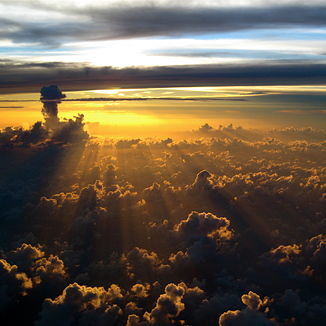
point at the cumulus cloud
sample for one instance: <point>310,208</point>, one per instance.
<point>248,316</point>
<point>244,317</point>
<point>51,93</point>
<point>13,284</point>
<point>206,224</point>
<point>66,131</point>
<point>140,290</point>
<point>149,232</point>
<point>25,256</point>
<point>83,300</point>
<point>168,306</point>
<point>50,97</point>
<point>252,300</point>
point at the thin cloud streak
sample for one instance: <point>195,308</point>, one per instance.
<point>130,99</point>
<point>156,98</point>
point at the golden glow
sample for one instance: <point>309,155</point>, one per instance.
<point>20,114</point>
<point>168,110</point>
<point>209,92</point>
<point>116,117</point>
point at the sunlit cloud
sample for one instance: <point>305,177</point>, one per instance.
<point>182,173</point>
<point>151,52</point>
<point>98,45</point>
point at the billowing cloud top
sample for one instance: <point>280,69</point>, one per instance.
<point>51,93</point>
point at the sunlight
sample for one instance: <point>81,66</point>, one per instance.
<point>163,162</point>
<point>117,117</point>
<point>203,91</point>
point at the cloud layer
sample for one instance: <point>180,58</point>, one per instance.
<point>98,22</point>
<point>213,43</point>
<point>27,77</point>
<point>149,232</point>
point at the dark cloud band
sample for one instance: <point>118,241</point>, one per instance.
<point>118,22</point>
<point>30,77</point>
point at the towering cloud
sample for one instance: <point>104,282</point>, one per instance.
<point>62,131</point>
<point>50,97</point>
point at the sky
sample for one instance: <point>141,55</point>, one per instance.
<point>270,54</point>
<point>163,33</point>
<point>162,163</point>
<point>198,43</point>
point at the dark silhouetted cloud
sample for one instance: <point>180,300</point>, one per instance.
<point>78,78</point>
<point>163,231</point>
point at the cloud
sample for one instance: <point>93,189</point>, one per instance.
<point>260,73</point>
<point>50,97</point>
<point>202,224</point>
<point>25,256</point>
<point>250,315</point>
<point>51,93</point>
<point>252,300</point>
<point>140,290</point>
<point>35,134</point>
<point>244,317</point>
<point>146,265</point>
<point>66,131</point>
<point>168,306</point>
<point>76,299</point>
<point>94,22</point>
<point>13,284</point>
<point>149,231</point>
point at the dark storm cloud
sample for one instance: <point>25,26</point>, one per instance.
<point>16,77</point>
<point>126,21</point>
